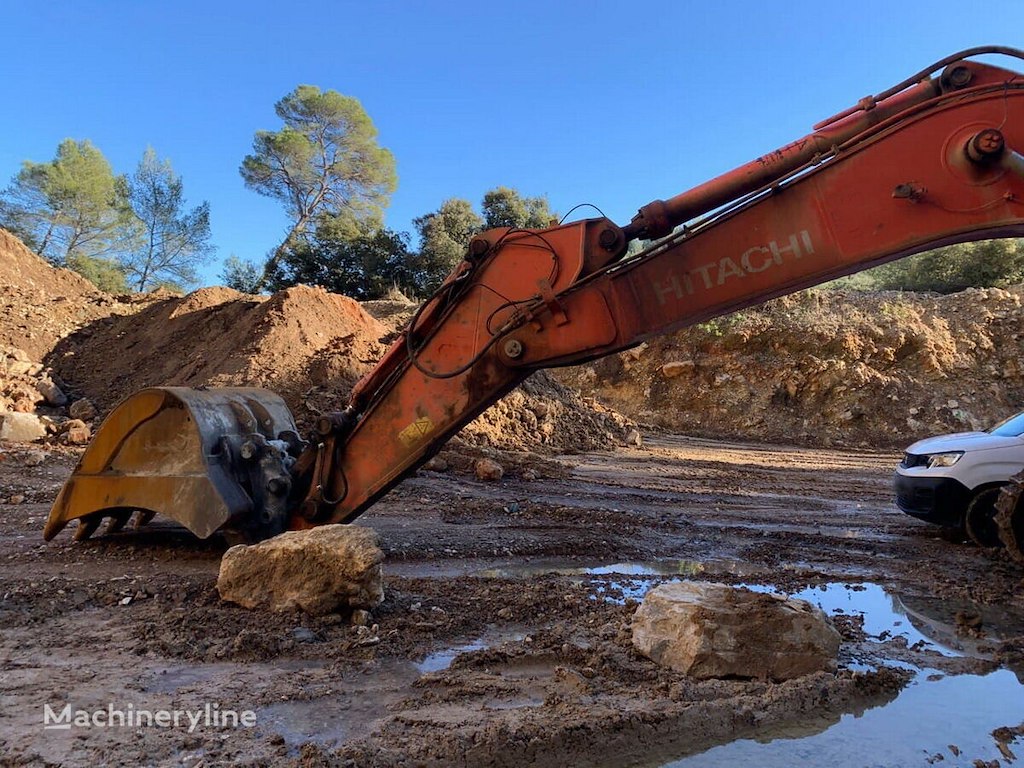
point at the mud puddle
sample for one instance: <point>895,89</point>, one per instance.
<point>927,724</point>
<point>438,661</point>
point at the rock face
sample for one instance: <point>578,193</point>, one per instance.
<point>827,367</point>
<point>330,569</point>
<point>715,631</point>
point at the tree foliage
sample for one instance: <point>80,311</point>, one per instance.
<point>70,208</point>
<point>119,232</point>
<point>169,242</point>
<point>982,264</point>
<point>365,260</point>
<point>324,163</point>
<point>364,265</point>
<point>106,274</point>
<point>444,235</point>
<point>505,207</point>
<point>241,274</point>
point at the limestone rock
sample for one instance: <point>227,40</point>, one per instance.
<point>488,470</point>
<point>74,432</point>
<point>19,367</point>
<point>20,427</point>
<point>715,631</point>
<point>330,569</point>
<point>677,368</point>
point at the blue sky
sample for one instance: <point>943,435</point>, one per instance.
<point>611,103</point>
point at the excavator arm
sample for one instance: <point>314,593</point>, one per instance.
<point>934,160</point>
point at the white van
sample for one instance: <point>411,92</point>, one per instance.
<point>954,480</point>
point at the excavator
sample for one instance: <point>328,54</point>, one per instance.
<point>932,161</point>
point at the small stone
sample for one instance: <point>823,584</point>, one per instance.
<point>125,601</point>
<point>34,458</point>
<point>20,427</point>
<point>71,424</point>
<point>636,352</point>
<point>436,464</point>
<point>361,617</point>
<point>19,368</point>
<point>676,368</point>
<point>75,432</point>
<point>488,470</point>
<point>303,635</point>
<point>53,394</point>
<point>528,475</point>
<point>16,499</point>
<point>634,438</point>
<point>83,410</point>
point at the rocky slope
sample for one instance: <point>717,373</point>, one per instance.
<point>828,367</point>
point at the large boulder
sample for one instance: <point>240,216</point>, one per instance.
<point>330,569</point>
<point>715,631</point>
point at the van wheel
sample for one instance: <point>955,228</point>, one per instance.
<point>1010,517</point>
<point>980,519</point>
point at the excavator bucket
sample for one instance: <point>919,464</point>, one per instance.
<point>173,451</point>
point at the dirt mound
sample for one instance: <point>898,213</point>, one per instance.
<point>308,345</point>
<point>296,342</point>
<point>828,367</point>
<point>40,305</point>
<point>545,412</point>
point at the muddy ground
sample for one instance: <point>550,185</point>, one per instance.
<point>504,638</point>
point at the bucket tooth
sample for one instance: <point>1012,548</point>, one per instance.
<point>172,451</point>
<point>144,518</point>
<point>117,521</point>
<point>87,526</point>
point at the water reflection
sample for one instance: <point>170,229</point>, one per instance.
<point>916,729</point>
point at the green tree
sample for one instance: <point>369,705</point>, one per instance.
<point>363,265</point>
<point>505,207</point>
<point>69,209</point>
<point>105,274</point>
<point>241,274</point>
<point>982,264</point>
<point>444,235</point>
<point>324,162</point>
<point>170,241</point>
